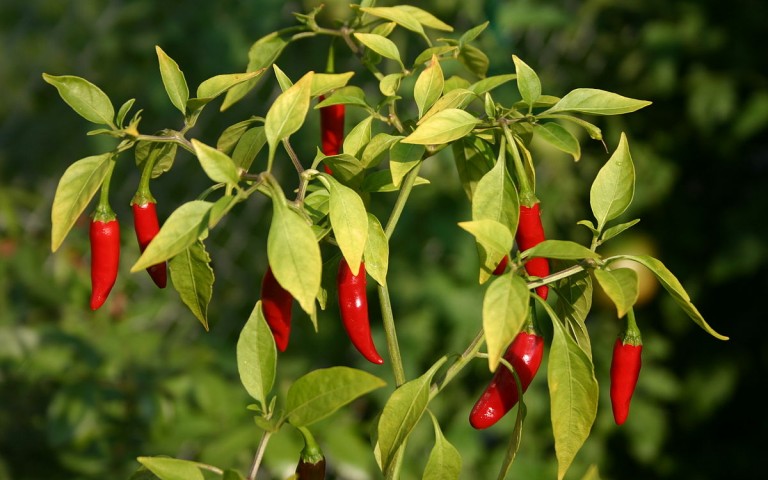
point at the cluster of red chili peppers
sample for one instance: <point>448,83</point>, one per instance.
<point>105,238</point>
<point>525,352</point>
<point>351,288</point>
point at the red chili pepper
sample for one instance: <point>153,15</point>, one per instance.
<point>524,354</point>
<point>105,258</point>
<point>502,266</point>
<point>276,304</point>
<point>625,370</point>
<point>331,129</point>
<point>353,304</point>
<point>146,225</point>
<point>530,233</point>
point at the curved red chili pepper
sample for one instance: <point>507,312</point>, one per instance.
<point>276,304</point>
<point>105,258</point>
<point>524,354</point>
<point>625,370</point>
<point>331,129</point>
<point>146,225</point>
<point>530,233</point>
<point>353,304</point>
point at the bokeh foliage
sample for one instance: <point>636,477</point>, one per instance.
<point>83,394</point>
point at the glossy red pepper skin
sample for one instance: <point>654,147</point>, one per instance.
<point>530,233</point>
<point>524,354</point>
<point>276,304</point>
<point>105,259</point>
<point>625,370</point>
<point>331,129</point>
<point>146,225</point>
<point>353,305</point>
<point>502,266</point>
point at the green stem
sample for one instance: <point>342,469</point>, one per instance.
<point>311,452</point>
<point>259,455</point>
<point>402,198</point>
<point>104,212</point>
<point>469,354</point>
<point>527,192</point>
<point>631,333</point>
<point>391,333</point>
<point>176,137</point>
<point>143,194</point>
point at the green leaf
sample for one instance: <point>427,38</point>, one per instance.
<point>514,440</point>
<point>403,157</point>
<point>560,249</point>
<point>376,251</point>
<point>346,168</point>
<point>282,79</point>
<point>215,86</point>
<point>293,253</point>
<point>456,98</point>
<point>617,229</point>
<point>425,18</point>
<point>444,462</point>
<point>172,468</point>
<point>505,311</point>
<point>473,159</point>
<point>323,83</point>
<point>389,85</point>
<point>487,84</point>
<point>249,145</point>
<point>235,475</point>
<point>573,394</point>
<point>528,82</point>
<point>621,287</point>
<point>173,80</point>
<point>217,165</point>
<point>319,393</point>
<point>592,473</point>
<point>429,86</point>
<point>349,221</point>
<point>402,412</point>
<point>398,15</point>
<point>596,102</point>
<point>75,190</point>
<point>427,54</point>
<point>559,137</point>
<point>381,45</point>
<point>673,286</point>
<point>287,113</point>
<point>123,111</point>
<point>257,357</point>
<point>231,135</point>
<point>494,240</point>
<point>443,127</point>
<point>574,301</point>
<point>262,54</point>
<point>381,182</point>
<point>350,95</point>
<point>358,137</point>
<point>475,60</point>
<point>472,33</point>
<point>192,277</point>
<point>182,228</point>
<point>380,143</point>
<point>161,154</point>
<point>85,98</point>
<point>592,130</point>
<point>495,198</point>
<point>614,187</point>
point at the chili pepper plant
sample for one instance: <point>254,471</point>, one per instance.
<point>324,239</point>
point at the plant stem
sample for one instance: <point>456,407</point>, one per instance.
<point>391,333</point>
<point>175,138</point>
<point>405,191</point>
<point>259,455</point>
<point>464,359</point>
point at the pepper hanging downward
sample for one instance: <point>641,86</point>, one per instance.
<point>524,354</point>
<point>276,305</point>
<point>625,368</point>
<point>530,233</point>
<point>146,225</point>
<point>331,129</point>
<point>105,258</point>
<point>353,304</point>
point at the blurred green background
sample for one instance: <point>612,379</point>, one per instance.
<point>82,394</point>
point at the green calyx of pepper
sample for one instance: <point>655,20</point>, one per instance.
<point>631,334</point>
<point>311,453</point>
